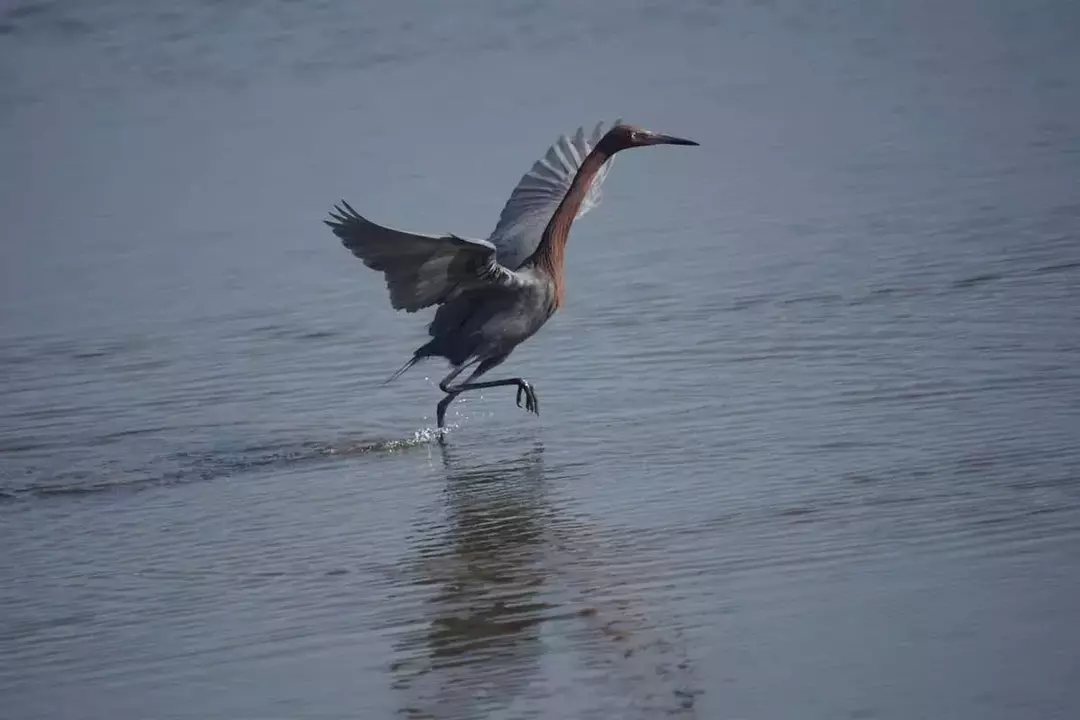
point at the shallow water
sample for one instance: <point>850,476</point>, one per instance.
<point>810,428</point>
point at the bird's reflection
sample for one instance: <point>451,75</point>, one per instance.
<point>480,645</point>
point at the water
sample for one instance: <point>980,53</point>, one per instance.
<point>811,415</point>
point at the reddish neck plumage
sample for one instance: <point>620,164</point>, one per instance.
<point>551,251</point>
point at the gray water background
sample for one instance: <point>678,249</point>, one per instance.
<point>810,429</point>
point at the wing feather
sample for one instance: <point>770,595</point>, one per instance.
<point>539,192</point>
<point>420,270</point>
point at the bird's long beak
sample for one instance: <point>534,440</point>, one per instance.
<point>658,139</point>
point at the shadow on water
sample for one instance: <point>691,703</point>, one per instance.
<point>481,646</point>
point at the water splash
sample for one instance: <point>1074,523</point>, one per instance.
<point>185,466</point>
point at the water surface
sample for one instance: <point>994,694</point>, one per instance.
<point>811,413</point>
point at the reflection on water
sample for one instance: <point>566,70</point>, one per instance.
<point>481,645</point>
<point>512,577</point>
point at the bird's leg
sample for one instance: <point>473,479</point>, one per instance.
<point>524,388</point>
<point>451,393</point>
<point>440,409</point>
<point>532,403</point>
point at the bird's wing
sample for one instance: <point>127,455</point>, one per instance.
<point>533,202</point>
<point>420,270</point>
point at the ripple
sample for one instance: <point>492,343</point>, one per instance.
<point>980,279</point>
<point>1058,267</point>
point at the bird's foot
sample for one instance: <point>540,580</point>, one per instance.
<point>532,403</point>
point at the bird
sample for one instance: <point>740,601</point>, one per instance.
<point>494,294</point>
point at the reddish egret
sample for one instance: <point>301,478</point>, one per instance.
<point>494,294</point>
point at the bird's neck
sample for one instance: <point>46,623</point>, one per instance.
<point>551,251</point>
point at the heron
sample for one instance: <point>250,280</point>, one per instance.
<point>494,294</point>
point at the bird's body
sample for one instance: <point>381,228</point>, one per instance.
<point>494,294</point>
<point>493,321</point>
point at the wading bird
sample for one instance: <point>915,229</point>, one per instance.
<point>494,294</point>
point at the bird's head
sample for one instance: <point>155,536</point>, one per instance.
<point>623,136</point>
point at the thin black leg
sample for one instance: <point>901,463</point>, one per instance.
<point>451,393</point>
<point>524,388</point>
<point>440,409</point>
<point>532,404</point>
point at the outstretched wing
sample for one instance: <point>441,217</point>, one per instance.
<point>420,270</point>
<point>533,202</point>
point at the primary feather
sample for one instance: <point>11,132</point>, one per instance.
<point>539,192</point>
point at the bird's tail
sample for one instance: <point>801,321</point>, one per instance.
<point>429,349</point>
<point>401,371</point>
